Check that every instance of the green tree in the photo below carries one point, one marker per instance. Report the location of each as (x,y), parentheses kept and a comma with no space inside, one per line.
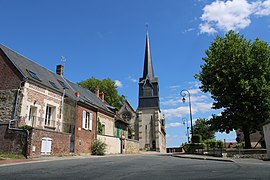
(203,128)
(236,73)
(108,87)
(100,131)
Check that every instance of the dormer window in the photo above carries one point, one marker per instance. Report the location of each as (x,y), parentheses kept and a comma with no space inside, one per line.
(33,75)
(53,85)
(62,84)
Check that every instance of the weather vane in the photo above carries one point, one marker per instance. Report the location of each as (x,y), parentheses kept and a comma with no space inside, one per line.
(63,59)
(146,26)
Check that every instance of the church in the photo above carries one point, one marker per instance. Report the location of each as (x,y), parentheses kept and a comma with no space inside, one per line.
(147,124)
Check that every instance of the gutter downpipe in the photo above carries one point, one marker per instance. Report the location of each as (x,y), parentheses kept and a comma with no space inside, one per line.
(14,119)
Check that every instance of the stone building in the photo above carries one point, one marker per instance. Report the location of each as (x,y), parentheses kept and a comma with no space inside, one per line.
(129,115)
(62,115)
(150,121)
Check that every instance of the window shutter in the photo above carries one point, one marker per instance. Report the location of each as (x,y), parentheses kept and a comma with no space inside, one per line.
(91,121)
(84,119)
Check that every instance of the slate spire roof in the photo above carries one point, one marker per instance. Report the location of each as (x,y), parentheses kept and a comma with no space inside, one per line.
(148,71)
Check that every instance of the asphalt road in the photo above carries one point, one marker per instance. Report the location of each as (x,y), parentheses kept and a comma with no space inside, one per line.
(137,167)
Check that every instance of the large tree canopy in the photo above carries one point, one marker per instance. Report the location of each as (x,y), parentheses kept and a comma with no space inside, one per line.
(108,87)
(237,74)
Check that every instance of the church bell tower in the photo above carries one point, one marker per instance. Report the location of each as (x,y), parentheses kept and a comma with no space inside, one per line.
(151,122)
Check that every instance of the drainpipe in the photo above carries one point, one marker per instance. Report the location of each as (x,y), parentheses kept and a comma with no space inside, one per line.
(14,119)
(62,105)
(96,124)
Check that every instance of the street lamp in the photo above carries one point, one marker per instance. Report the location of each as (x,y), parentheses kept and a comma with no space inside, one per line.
(185,121)
(183,93)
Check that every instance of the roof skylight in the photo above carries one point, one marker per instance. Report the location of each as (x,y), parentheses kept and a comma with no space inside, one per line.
(53,85)
(62,84)
(33,75)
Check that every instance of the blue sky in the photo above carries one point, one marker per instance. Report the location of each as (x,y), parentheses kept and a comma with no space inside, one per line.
(103,38)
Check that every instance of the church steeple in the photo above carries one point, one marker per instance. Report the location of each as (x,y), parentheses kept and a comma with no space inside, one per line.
(148,84)
(148,71)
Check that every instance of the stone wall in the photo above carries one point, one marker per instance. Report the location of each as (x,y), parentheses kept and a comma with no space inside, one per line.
(9,76)
(266,131)
(12,141)
(60,142)
(131,146)
(108,122)
(7,105)
(113,144)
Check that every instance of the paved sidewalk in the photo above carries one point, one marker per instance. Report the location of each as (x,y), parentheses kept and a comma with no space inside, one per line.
(8,162)
(203,157)
(13,161)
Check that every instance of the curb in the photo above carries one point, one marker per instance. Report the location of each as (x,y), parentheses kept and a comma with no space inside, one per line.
(204,158)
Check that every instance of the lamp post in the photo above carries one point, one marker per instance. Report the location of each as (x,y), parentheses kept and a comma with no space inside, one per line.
(185,121)
(183,93)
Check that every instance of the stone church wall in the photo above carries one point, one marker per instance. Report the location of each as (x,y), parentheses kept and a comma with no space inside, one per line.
(132,146)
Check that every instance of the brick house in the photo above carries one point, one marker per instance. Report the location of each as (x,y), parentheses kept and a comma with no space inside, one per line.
(63,115)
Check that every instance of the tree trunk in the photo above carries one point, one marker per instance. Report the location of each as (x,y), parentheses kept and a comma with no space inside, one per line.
(247,139)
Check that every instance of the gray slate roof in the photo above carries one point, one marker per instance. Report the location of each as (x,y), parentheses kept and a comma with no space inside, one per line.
(24,65)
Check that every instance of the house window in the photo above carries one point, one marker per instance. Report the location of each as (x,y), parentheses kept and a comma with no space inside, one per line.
(85,123)
(32,115)
(49,116)
(46,146)
(91,121)
(87,120)
(103,129)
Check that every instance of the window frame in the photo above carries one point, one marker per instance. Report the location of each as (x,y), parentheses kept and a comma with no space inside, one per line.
(85,120)
(33,75)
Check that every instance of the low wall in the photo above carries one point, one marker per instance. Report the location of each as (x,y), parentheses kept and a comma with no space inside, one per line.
(113,144)
(60,142)
(131,146)
(12,141)
(266,131)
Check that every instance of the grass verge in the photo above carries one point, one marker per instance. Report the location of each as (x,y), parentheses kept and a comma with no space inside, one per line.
(11,156)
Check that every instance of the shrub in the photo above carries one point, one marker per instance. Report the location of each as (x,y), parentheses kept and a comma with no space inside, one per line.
(196,138)
(219,144)
(186,147)
(212,143)
(98,147)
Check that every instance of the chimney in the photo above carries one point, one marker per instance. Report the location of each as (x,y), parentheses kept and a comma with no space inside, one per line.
(60,69)
(102,96)
(77,94)
(97,91)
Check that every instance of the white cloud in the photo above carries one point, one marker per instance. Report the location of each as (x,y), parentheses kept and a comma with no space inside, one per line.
(174,87)
(176,112)
(171,102)
(226,15)
(188,30)
(118,83)
(132,79)
(231,14)
(262,8)
(175,124)
(206,28)
(200,102)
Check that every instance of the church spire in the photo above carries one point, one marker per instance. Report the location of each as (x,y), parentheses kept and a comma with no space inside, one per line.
(148,71)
